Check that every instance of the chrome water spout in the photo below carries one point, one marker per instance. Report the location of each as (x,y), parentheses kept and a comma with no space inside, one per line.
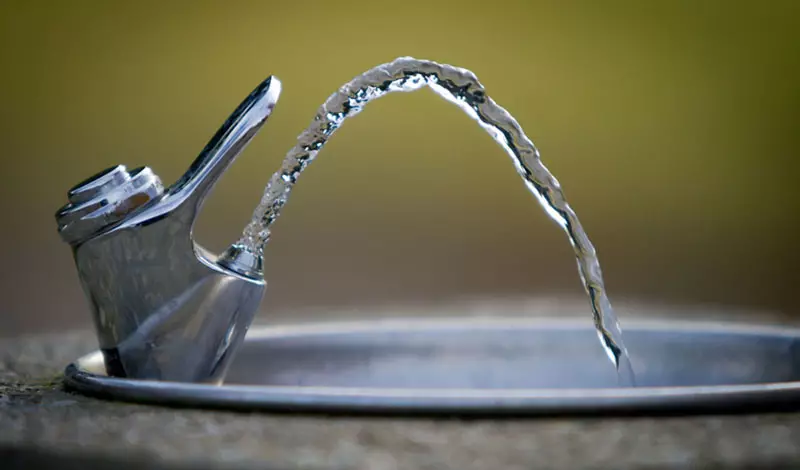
(165,308)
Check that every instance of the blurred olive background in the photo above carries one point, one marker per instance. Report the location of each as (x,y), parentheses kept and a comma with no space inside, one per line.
(672,126)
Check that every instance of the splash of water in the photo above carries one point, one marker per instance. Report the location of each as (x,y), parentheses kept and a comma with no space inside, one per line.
(462,88)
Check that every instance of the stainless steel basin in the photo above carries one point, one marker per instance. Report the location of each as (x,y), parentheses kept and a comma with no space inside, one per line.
(479,366)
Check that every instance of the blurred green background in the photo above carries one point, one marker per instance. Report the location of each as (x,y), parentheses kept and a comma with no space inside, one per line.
(672,126)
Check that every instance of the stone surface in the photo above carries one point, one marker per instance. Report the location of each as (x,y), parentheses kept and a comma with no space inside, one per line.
(42,425)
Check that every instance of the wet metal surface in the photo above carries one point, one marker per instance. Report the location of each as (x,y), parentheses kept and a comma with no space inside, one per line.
(480,366)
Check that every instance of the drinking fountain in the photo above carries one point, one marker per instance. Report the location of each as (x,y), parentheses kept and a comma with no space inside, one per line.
(173,321)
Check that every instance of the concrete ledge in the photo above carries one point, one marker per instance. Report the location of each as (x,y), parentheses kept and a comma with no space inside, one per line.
(41,425)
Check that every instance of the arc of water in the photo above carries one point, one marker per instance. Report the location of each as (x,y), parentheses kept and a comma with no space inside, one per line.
(461,87)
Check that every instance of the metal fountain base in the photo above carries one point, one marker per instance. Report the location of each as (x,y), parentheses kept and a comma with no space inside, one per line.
(484,366)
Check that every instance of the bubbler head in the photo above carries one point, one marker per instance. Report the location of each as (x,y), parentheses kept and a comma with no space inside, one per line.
(165,308)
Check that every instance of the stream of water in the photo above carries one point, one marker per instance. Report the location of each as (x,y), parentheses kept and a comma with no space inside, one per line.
(462,88)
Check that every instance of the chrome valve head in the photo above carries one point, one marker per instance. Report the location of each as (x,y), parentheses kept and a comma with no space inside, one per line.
(165,308)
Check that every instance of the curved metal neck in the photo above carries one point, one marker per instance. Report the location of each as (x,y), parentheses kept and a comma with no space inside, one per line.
(234,135)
